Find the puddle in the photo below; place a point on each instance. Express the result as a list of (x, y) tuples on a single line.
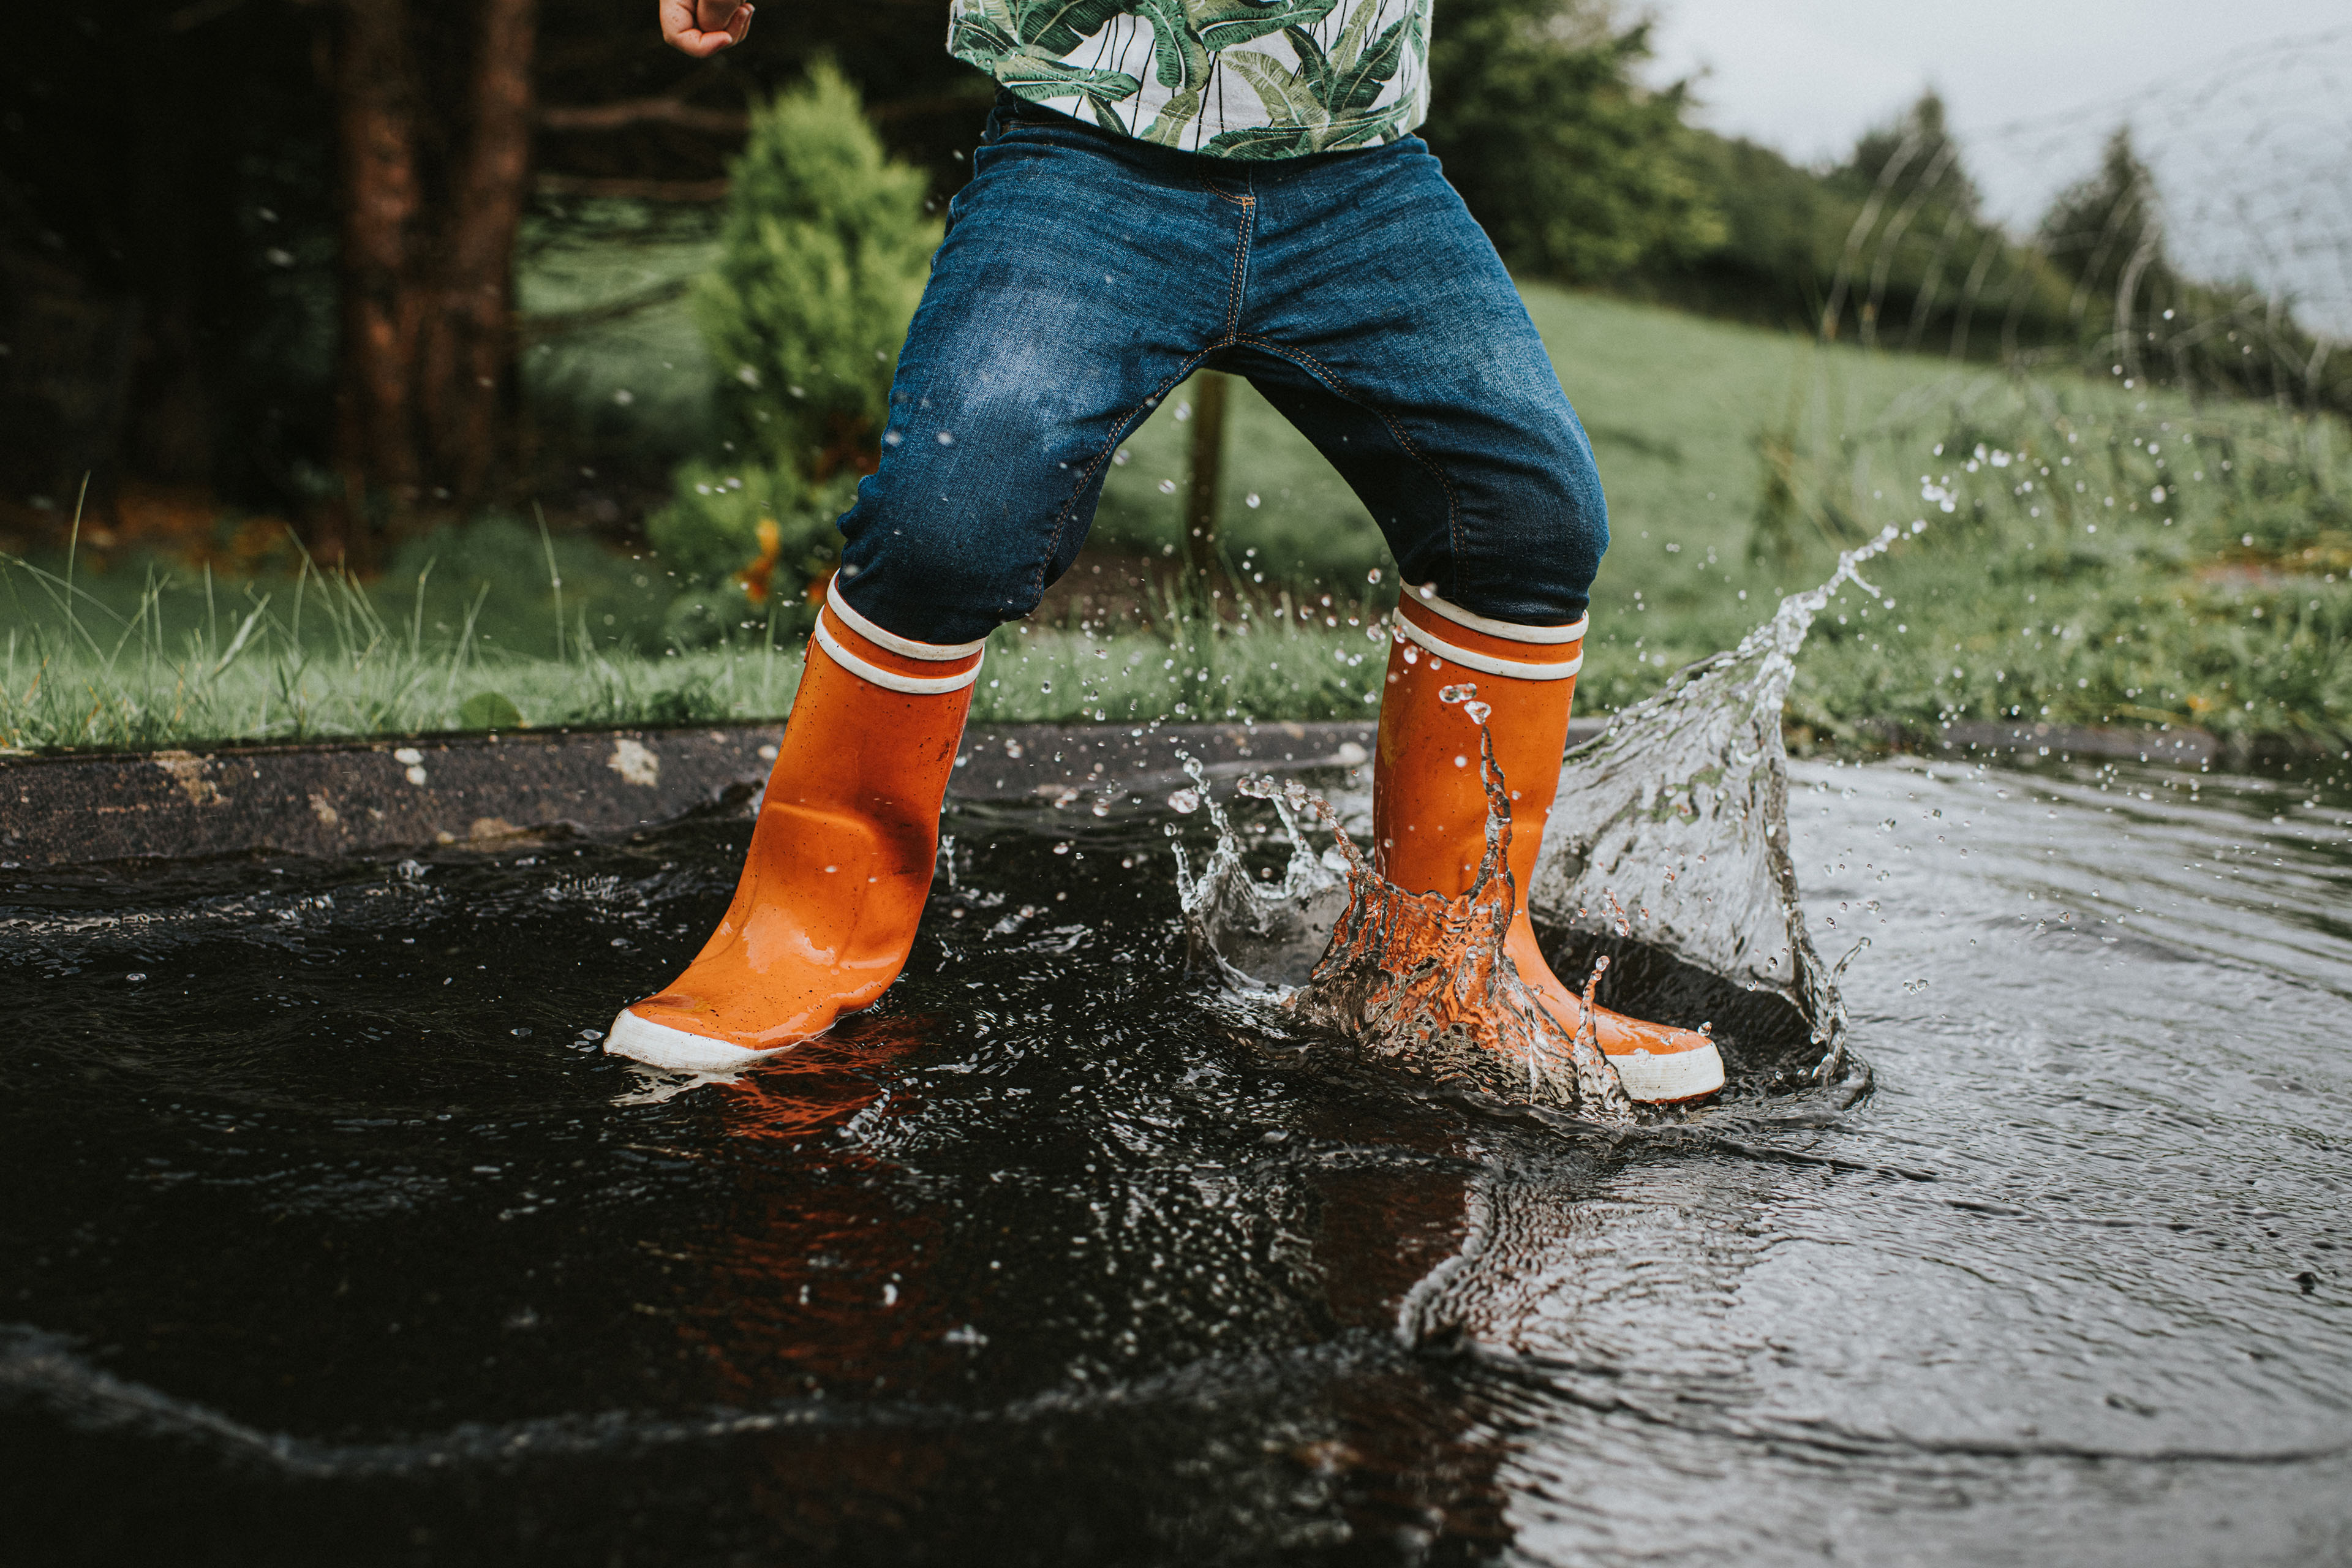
[(330, 1227)]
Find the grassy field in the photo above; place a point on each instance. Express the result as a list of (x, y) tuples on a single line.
[(2084, 551)]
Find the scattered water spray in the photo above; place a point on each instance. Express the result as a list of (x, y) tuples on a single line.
[(1258, 934), (1680, 809)]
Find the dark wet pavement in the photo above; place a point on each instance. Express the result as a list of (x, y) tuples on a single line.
[(330, 1237)]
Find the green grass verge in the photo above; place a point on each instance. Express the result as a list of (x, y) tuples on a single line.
[(329, 663)]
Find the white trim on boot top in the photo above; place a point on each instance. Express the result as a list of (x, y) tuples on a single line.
[(675, 1050), (1676, 1075)]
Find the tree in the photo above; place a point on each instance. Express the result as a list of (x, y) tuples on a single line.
[(2138, 315), (1916, 235), (1915, 157), (163, 211), (433, 110), (2106, 231), (1576, 170), (174, 228)]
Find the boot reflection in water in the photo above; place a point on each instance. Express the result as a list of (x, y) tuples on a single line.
[(808, 1270), (833, 886), (1429, 802)]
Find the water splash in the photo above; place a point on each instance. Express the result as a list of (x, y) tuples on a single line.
[(1418, 981), (1260, 934), (1423, 980), (1669, 837), (1680, 812)]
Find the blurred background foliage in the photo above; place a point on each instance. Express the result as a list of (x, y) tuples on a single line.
[(601, 379)]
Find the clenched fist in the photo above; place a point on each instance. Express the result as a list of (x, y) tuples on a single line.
[(703, 27)]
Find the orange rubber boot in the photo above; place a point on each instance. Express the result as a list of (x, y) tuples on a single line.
[(840, 862), (1429, 806)]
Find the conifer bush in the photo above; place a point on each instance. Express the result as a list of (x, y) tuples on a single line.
[(822, 255)]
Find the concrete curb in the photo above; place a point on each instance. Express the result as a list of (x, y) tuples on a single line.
[(379, 796), (487, 790)]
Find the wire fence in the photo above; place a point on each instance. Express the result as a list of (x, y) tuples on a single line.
[(2210, 245)]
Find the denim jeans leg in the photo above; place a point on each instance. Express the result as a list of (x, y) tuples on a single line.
[(1079, 283), (1381, 321)]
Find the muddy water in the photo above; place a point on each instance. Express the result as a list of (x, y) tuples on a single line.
[(330, 1237)]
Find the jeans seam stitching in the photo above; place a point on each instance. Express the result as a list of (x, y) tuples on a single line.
[(1241, 266), (1248, 204)]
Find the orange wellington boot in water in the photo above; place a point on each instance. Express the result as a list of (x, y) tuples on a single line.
[(840, 862), (1429, 805)]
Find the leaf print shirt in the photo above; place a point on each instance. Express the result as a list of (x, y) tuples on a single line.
[(1235, 79)]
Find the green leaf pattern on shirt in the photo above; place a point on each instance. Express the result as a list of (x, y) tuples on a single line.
[(1235, 79)]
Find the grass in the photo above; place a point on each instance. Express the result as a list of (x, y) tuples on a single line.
[(2088, 555), (1738, 461), (325, 659)]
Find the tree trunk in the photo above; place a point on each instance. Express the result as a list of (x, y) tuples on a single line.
[(375, 445), (469, 383), (433, 185)]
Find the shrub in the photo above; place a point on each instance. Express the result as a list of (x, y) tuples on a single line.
[(822, 255)]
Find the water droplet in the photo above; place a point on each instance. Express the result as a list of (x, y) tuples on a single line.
[(1462, 693), (1373, 575), (1168, 486), (1251, 500), (1185, 801), (1479, 712)]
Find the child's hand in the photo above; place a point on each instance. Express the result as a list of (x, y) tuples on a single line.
[(703, 27)]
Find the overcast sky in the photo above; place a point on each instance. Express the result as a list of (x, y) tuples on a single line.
[(2252, 144)]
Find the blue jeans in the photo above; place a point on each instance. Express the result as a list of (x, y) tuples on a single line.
[(1085, 276)]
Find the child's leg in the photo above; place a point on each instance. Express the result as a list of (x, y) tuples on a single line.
[(1081, 282), (1381, 323), (1082, 279)]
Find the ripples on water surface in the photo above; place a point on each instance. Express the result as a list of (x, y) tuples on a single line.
[(329, 1238)]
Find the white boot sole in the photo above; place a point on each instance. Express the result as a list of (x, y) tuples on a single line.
[(1676, 1075), (675, 1050)]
